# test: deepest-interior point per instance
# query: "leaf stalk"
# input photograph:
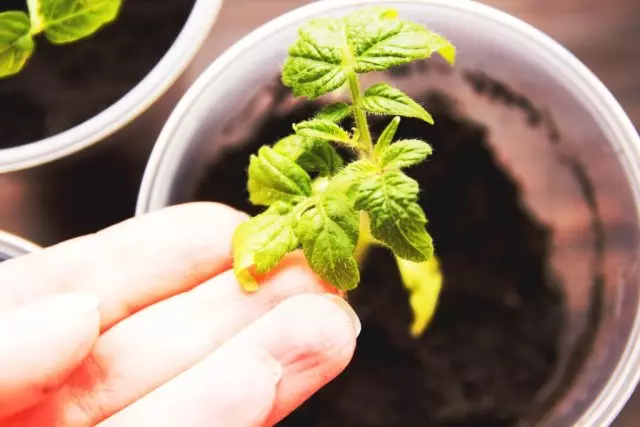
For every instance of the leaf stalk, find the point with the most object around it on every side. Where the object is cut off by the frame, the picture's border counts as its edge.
(359, 114)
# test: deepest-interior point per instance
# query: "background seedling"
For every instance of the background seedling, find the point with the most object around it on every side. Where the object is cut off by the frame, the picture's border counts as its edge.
(61, 22)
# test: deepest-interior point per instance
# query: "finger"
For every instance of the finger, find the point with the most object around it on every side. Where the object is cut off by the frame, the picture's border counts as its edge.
(40, 344)
(311, 337)
(233, 387)
(130, 265)
(313, 350)
(131, 359)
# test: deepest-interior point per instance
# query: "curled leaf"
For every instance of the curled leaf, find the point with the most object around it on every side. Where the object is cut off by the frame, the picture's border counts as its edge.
(261, 242)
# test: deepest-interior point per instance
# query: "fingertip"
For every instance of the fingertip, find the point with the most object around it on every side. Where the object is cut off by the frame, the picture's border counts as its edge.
(323, 323)
(314, 338)
(348, 310)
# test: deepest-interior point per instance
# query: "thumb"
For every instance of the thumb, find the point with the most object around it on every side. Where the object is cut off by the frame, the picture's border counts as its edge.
(40, 345)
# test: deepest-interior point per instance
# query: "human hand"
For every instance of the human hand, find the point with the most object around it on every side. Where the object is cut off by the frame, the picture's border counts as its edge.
(144, 324)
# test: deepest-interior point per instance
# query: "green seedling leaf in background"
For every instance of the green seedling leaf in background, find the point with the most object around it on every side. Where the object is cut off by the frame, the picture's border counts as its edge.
(61, 21)
(16, 43)
(66, 21)
(334, 211)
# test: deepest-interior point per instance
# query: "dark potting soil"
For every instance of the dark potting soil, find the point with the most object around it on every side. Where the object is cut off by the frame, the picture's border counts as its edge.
(62, 86)
(494, 341)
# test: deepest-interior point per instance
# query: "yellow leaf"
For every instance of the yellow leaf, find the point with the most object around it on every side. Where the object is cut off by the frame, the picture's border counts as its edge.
(423, 280)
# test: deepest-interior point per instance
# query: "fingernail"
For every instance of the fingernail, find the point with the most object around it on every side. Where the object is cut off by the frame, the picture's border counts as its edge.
(340, 302)
(274, 366)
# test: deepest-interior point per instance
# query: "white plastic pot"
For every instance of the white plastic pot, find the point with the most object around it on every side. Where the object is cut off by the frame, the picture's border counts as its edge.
(12, 246)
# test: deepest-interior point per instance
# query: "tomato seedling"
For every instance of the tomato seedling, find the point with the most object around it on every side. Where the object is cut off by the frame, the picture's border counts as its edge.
(332, 209)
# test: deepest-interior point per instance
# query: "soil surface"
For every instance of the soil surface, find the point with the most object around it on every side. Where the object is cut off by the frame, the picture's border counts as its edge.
(62, 86)
(495, 338)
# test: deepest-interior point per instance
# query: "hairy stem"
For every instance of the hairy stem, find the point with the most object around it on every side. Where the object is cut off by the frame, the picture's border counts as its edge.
(358, 112)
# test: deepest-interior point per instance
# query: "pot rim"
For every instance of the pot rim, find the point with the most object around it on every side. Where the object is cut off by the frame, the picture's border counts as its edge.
(14, 246)
(614, 395)
(163, 75)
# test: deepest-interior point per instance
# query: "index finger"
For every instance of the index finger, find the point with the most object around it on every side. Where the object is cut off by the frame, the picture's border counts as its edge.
(130, 265)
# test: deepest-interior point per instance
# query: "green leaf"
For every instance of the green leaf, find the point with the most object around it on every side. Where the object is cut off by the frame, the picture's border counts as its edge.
(315, 63)
(335, 112)
(379, 40)
(16, 43)
(65, 21)
(382, 98)
(390, 198)
(311, 154)
(328, 233)
(405, 153)
(261, 242)
(322, 129)
(274, 177)
(329, 50)
(349, 176)
(386, 137)
(424, 282)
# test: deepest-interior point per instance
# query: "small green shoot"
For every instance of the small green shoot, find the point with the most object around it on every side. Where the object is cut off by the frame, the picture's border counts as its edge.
(61, 22)
(335, 211)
